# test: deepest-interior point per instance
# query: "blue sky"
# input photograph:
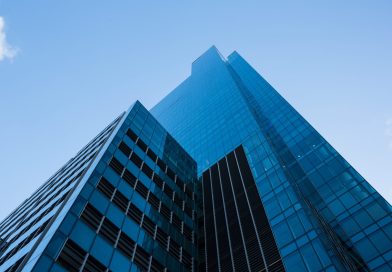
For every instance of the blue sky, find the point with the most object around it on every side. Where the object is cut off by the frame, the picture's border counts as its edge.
(67, 68)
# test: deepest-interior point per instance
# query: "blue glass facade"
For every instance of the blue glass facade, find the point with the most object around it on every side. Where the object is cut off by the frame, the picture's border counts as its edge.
(222, 175)
(24, 228)
(133, 209)
(323, 214)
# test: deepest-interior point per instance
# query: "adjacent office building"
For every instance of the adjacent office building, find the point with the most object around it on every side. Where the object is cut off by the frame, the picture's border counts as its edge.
(221, 175)
(126, 202)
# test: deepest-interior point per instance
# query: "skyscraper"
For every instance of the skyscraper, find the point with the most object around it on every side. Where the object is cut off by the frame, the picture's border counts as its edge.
(323, 215)
(221, 175)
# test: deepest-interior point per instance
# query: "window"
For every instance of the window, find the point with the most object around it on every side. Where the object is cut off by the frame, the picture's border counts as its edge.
(154, 201)
(147, 170)
(188, 191)
(129, 178)
(149, 226)
(132, 135)
(187, 259)
(188, 210)
(180, 183)
(152, 155)
(126, 245)
(135, 213)
(136, 160)
(187, 232)
(176, 221)
(106, 187)
(121, 201)
(93, 265)
(142, 145)
(175, 249)
(116, 165)
(125, 149)
(24, 242)
(109, 231)
(165, 211)
(168, 191)
(71, 256)
(161, 237)
(161, 164)
(171, 174)
(156, 266)
(142, 258)
(177, 200)
(142, 189)
(15, 266)
(158, 181)
(91, 216)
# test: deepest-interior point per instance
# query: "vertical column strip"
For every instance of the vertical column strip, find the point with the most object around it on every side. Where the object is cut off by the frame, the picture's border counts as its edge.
(251, 212)
(211, 246)
(235, 233)
(238, 215)
(220, 221)
(217, 243)
(226, 220)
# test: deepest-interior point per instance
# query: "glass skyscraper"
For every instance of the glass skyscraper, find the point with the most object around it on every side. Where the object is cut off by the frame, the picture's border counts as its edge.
(221, 175)
(324, 216)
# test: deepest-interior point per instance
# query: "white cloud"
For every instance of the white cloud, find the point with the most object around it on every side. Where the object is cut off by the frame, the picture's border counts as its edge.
(388, 132)
(6, 51)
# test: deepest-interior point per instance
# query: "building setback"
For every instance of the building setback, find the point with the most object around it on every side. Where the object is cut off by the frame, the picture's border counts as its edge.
(221, 175)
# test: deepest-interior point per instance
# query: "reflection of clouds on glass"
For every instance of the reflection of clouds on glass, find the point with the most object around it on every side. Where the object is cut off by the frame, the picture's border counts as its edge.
(388, 132)
(6, 51)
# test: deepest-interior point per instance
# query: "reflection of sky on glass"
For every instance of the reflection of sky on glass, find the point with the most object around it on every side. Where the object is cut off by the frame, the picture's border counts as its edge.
(79, 64)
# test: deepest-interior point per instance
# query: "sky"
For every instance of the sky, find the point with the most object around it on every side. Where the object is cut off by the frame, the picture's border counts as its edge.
(68, 68)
